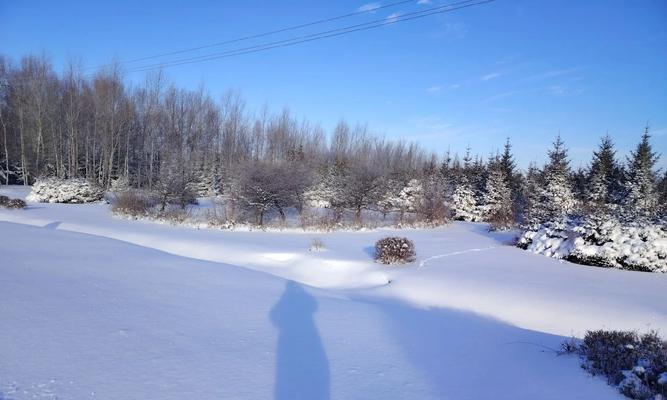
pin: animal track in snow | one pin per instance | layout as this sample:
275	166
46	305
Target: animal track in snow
455	253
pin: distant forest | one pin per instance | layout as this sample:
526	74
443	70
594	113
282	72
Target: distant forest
159	137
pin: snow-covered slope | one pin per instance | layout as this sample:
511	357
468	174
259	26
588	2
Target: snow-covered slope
111	320
459	266
160	313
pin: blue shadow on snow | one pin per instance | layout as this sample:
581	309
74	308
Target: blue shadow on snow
302	367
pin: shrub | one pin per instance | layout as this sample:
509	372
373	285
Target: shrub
54	190
604	243
394	250
316	244
636	364
15	204
501	220
132	203
173	215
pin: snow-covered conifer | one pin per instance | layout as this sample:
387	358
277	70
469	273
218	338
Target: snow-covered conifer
403	198
534	213
508	167
498	199
641	198
557	197
603	176
464	203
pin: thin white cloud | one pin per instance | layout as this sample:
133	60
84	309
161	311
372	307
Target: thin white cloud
424	2
455	86
553	74
492	75
434	89
500	96
369	7
393	17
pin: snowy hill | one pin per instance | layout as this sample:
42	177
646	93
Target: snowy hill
98	307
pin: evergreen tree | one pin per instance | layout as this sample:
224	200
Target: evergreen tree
558	196
641	197
508	166
534	212
465	206
603	176
498	199
445	167
579	180
662	193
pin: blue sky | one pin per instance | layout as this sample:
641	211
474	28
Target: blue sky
526	69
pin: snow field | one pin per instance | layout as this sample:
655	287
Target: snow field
168	312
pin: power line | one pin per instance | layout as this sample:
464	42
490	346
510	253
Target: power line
316	36
306	38
258	35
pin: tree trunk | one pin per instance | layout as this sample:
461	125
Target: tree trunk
4	129
357	216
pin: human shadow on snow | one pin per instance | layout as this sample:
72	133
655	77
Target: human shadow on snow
302	367
468	356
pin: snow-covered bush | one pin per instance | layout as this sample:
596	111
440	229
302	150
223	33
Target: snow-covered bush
54	190
394	250
636	364
11	203
601	241
15	204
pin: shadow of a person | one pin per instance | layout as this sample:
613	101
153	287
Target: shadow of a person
302	367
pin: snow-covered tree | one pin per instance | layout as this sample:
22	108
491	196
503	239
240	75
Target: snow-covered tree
603	176
534	212
432	208
406	199
464	203
326	192
641	198
557	197
361	189
498	199
176	184
662	193
508	166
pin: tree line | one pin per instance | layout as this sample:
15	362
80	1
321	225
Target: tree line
181	143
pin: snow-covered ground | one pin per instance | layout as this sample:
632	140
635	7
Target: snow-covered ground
94	306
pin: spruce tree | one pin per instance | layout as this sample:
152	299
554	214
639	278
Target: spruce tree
465	206
557	198
603	176
498	199
508	166
662	195
579	179
534	211
641	197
